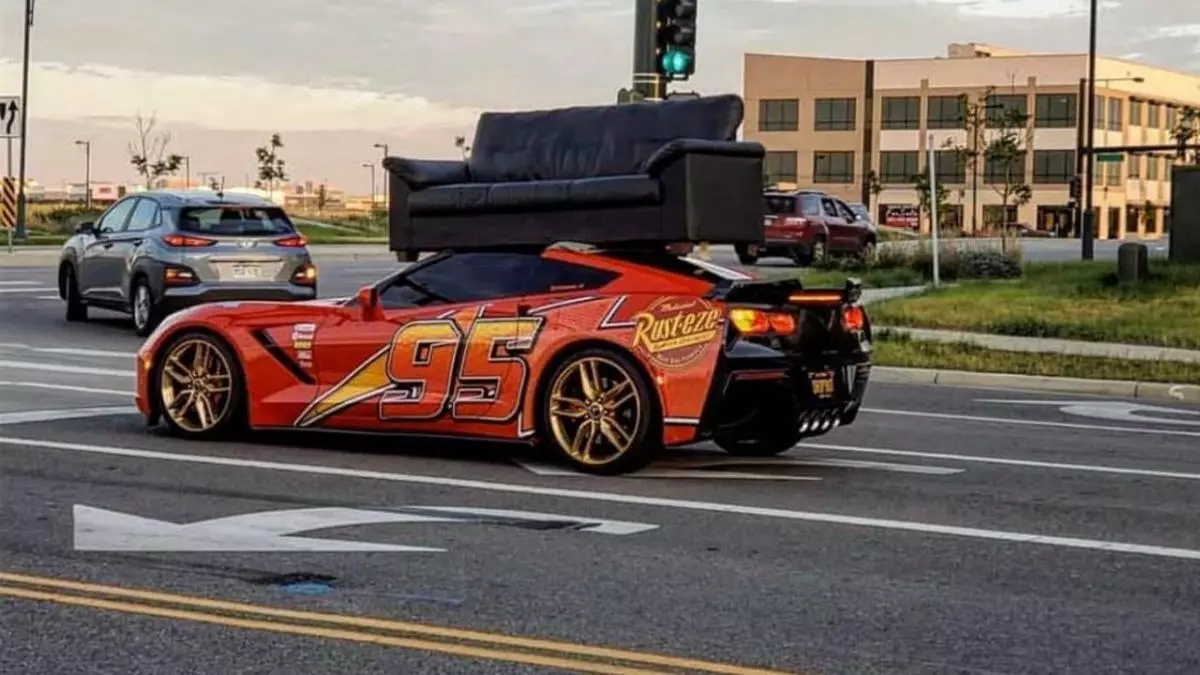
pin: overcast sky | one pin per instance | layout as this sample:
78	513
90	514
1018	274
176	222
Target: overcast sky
336	76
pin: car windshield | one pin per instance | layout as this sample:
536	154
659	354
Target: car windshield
235	220
859	210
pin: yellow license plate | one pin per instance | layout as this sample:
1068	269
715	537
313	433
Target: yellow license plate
822	384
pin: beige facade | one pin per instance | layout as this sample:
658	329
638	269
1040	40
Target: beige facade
820	117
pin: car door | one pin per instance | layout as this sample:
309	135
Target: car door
856	227
126	242
441	353
95	281
840	238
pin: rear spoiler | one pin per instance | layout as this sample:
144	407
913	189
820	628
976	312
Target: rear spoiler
785	291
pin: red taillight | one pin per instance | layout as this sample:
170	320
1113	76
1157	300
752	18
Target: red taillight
817	298
796	222
854	319
295	241
759	322
184	241
305	275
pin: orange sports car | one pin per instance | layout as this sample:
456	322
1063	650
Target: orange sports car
605	356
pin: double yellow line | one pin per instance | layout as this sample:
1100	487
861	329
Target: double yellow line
382	632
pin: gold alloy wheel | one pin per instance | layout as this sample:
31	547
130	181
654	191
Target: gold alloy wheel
595	410
196	383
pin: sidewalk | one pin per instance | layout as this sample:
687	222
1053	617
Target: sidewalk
1051	346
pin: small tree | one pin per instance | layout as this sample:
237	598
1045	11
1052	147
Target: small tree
460	142
322	198
1005	156
921	186
270	164
148	154
874	186
1186	132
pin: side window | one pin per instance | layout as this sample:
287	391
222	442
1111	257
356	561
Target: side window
114	220
845	212
810	205
476	277
145	216
831	209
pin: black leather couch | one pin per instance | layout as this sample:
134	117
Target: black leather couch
610	175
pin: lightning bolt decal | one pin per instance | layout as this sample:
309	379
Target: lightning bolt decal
368	380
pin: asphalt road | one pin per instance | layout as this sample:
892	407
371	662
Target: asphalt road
947	531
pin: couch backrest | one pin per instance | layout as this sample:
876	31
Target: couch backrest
584	142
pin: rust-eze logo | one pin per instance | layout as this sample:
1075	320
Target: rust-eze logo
674	332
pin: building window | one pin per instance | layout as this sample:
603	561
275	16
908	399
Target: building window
947	112
902	112
1135	166
779	167
1055	111
1053	166
1152	164
1135	113
899	167
835	114
1172	117
1114	114
950	167
1112	174
780	114
833	167
1004	170
1151	218
996	215
1000	106
1153	115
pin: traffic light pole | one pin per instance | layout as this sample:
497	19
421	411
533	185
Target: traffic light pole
646	80
1088	245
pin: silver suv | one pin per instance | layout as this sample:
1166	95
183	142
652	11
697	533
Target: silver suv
154	253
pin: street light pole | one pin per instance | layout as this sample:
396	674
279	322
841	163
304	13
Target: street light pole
20	233
1088	245
384	147
87	171
371	166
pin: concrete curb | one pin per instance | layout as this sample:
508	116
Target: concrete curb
1179	393
1010	343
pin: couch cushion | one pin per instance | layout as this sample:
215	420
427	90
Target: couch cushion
553	194
587	142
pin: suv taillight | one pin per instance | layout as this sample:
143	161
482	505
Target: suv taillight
184	241
294	241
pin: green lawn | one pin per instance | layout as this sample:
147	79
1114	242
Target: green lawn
899	351
1082	301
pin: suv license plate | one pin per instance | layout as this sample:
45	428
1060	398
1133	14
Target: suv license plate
247	272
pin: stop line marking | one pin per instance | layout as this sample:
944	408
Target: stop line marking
631	499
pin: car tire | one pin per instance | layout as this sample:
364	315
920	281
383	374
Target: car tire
220	382
747	254
768	445
578	415
816	254
145	310
76	309
867	252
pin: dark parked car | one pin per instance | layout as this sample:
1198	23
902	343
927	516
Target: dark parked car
156	252
808	226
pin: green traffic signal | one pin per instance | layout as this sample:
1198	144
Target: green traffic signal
676	62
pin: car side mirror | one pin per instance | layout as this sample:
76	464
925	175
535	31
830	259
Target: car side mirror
368	302
85	228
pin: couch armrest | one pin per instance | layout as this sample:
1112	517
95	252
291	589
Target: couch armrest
690	146
422	173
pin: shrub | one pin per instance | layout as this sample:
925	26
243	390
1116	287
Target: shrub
988	265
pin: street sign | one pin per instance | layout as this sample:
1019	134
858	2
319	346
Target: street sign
8	203
266	531
1109	156
10	116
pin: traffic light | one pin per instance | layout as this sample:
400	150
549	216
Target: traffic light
1076	190
675	41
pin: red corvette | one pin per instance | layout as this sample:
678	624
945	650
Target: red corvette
605	356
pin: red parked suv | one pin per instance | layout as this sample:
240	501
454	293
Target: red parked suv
807	226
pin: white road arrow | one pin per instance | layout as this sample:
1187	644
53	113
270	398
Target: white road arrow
1115	411
103	530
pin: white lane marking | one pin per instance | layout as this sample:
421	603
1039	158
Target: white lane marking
40	289
540	469
1031	423
25	416
68	387
618	498
19	283
1112	411
56	368
48	297
881	466
70	351
1092	468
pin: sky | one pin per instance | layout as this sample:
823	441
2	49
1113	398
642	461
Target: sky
335	77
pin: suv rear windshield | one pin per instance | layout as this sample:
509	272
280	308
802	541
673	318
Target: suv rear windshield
777	204
235	220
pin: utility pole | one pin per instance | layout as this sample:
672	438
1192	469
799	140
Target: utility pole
21	214
187	172
1088	246
87	171
1080	153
